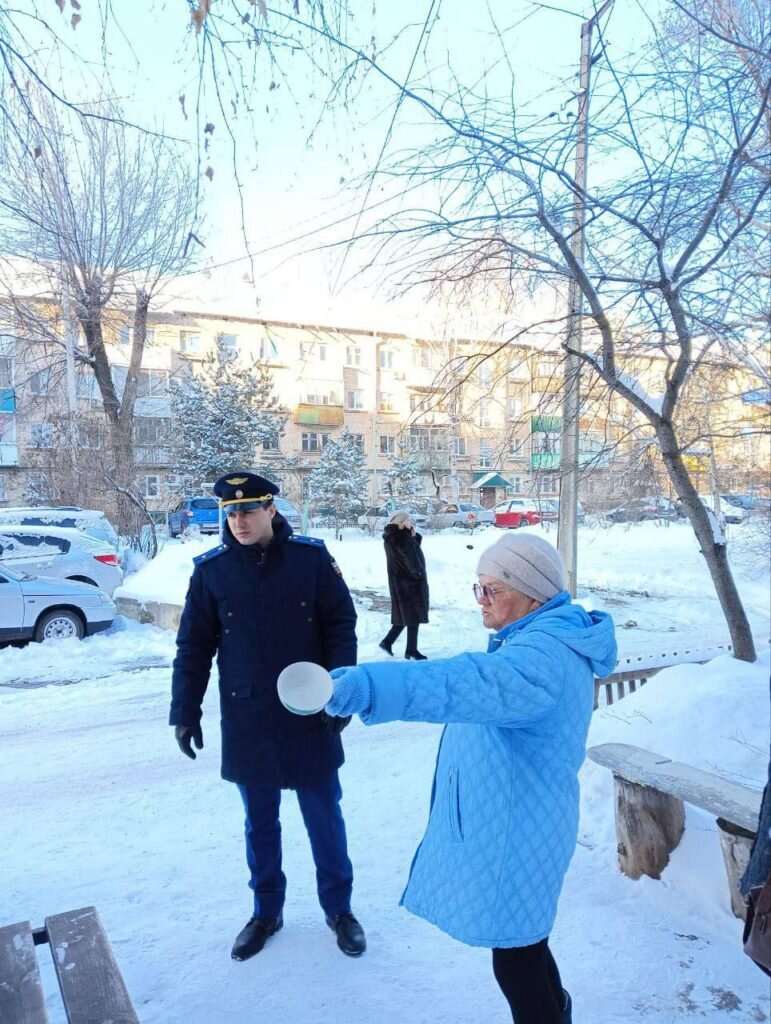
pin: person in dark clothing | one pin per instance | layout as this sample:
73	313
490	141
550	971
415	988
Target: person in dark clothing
407	583
263	599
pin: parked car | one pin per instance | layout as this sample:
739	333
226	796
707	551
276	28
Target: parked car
202	512
730	512
640	510
69	517
464	514
749	502
290	512
60	554
515	513
376	517
38	608
549	510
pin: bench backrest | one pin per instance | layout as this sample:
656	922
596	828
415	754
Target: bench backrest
723	798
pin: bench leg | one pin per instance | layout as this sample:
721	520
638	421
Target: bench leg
736	843
649	825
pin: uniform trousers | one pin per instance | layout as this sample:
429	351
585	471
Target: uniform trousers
320	807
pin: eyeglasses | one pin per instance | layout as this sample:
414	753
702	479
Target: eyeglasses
487	593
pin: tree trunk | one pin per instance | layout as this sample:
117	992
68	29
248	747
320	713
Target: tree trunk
713	545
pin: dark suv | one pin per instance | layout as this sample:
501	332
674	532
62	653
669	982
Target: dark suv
202	513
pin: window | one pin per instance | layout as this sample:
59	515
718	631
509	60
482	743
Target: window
126	335
86	386
386	403
353	355
152	383
6	371
41	435
484	413
386	359
427	439
549	443
270	444
189	342
514	407
517	446
3	493
152	486
321	353
321	398
314	442
40	382
459	447
89	435
485	372
387	445
416	403
354	399
268	350
228	344
358	440
313	350
151	430
485	454
423	357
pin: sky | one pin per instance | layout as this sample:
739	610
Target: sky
155	840
302	157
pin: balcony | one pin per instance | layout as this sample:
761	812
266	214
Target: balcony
320	415
545	460
546	424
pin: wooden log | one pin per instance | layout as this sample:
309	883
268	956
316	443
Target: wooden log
649	825
21	991
92	986
736	843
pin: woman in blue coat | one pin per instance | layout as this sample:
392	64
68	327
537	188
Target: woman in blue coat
504	810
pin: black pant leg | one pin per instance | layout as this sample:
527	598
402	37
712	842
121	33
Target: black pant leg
529	979
392	634
412	639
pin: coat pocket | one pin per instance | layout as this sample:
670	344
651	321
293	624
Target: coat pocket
453	805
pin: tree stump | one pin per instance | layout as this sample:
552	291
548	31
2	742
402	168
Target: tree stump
649	825
736	843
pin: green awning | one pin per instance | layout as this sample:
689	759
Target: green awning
491	479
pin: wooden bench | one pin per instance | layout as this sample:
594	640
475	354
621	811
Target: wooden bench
650	792
92	989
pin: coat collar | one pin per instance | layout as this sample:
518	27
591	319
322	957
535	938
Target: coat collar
503	635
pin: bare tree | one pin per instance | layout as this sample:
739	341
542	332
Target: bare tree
94	217
680	147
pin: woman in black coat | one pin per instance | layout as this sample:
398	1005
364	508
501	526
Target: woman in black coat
407	583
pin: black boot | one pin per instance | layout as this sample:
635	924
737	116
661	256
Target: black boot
415	655
350	934
385	646
254	935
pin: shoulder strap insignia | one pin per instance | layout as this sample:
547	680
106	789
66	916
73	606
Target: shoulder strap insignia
208	555
299	538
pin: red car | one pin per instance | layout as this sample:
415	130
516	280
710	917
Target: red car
516	512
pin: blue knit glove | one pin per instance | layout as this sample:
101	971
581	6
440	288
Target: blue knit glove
352	692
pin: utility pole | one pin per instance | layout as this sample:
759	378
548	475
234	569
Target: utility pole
571	408
69	363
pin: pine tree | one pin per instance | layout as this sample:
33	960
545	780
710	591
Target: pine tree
339	482
404	475
224	418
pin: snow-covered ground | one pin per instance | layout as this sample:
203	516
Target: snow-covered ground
99	807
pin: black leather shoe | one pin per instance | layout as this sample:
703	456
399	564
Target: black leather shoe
254	935
350	934
415	655
385	647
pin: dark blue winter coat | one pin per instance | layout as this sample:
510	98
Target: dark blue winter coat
259	611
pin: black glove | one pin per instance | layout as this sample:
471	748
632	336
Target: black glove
184	734
333	724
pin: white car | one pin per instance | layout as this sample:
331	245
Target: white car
87	520
465	514
377	517
60	554
35	608
730	512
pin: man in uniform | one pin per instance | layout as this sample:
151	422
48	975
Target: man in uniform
263	599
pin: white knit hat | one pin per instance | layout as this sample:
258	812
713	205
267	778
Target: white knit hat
525	562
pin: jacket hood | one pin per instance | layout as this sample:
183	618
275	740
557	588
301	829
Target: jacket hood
592	635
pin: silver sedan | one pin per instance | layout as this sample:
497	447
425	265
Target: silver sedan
37	608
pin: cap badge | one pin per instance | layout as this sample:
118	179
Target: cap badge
237	480
239	494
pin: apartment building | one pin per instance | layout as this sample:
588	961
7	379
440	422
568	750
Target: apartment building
484	418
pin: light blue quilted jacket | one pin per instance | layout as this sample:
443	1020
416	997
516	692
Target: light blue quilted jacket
504	807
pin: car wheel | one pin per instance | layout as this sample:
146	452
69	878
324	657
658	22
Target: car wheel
523	522
59	625
84	579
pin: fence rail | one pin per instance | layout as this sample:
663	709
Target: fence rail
636	670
